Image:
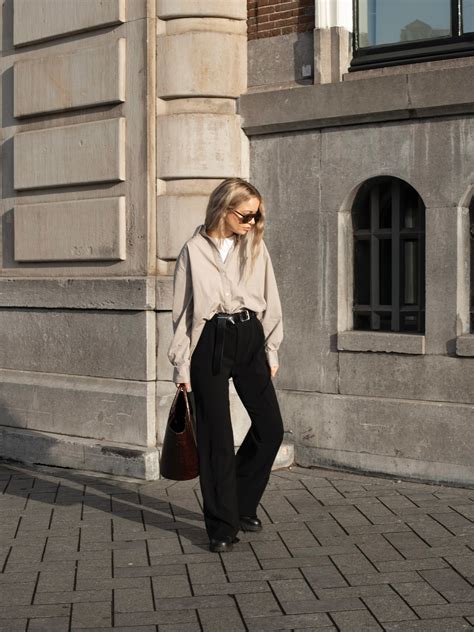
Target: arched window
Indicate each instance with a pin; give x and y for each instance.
(388, 219)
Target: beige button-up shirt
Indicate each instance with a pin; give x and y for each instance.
(204, 285)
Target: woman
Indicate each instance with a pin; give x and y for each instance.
(227, 322)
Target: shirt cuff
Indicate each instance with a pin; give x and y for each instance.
(272, 357)
(181, 374)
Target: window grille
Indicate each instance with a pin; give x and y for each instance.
(389, 257)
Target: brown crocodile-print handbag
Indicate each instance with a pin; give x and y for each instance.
(179, 455)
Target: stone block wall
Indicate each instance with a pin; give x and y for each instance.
(78, 224)
(393, 403)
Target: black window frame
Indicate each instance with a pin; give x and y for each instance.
(374, 234)
(459, 44)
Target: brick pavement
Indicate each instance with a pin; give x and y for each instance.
(338, 551)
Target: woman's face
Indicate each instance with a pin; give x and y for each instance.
(233, 223)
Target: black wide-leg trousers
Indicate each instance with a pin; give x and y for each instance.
(232, 484)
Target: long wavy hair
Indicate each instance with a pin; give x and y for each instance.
(225, 198)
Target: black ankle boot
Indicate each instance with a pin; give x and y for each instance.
(250, 523)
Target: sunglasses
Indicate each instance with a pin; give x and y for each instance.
(245, 219)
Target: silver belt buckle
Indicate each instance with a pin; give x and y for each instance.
(244, 312)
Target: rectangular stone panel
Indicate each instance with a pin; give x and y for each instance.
(78, 342)
(430, 377)
(94, 408)
(35, 20)
(111, 293)
(70, 154)
(82, 230)
(63, 82)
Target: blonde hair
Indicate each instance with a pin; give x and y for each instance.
(225, 198)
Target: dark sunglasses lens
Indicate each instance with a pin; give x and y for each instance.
(248, 218)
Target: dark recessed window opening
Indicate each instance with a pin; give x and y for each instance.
(471, 224)
(392, 32)
(388, 219)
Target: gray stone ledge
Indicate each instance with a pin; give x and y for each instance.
(375, 99)
(129, 293)
(83, 454)
(381, 342)
(465, 345)
(41, 448)
(434, 472)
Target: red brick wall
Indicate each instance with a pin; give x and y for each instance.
(267, 18)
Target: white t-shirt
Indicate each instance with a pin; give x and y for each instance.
(227, 245)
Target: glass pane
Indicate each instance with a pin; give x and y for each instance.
(410, 322)
(385, 321)
(385, 206)
(385, 289)
(468, 16)
(362, 272)
(409, 204)
(393, 21)
(410, 273)
(361, 212)
(362, 321)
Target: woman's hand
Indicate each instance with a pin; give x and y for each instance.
(187, 385)
(273, 370)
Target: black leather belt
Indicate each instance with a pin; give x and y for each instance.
(222, 320)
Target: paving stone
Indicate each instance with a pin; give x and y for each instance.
(352, 563)
(321, 605)
(381, 578)
(447, 610)
(58, 624)
(133, 599)
(174, 586)
(291, 589)
(264, 575)
(192, 603)
(439, 625)
(141, 628)
(31, 612)
(411, 565)
(418, 593)
(91, 615)
(16, 594)
(219, 619)
(354, 591)
(231, 588)
(392, 608)
(151, 571)
(159, 617)
(77, 596)
(451, 585)
(259, 605)
(290, 622)
(463, 564)
(13, 625)
(356, 621)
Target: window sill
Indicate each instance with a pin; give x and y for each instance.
(386, 342)
(465, 345)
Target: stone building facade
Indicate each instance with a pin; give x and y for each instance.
(118, 119)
